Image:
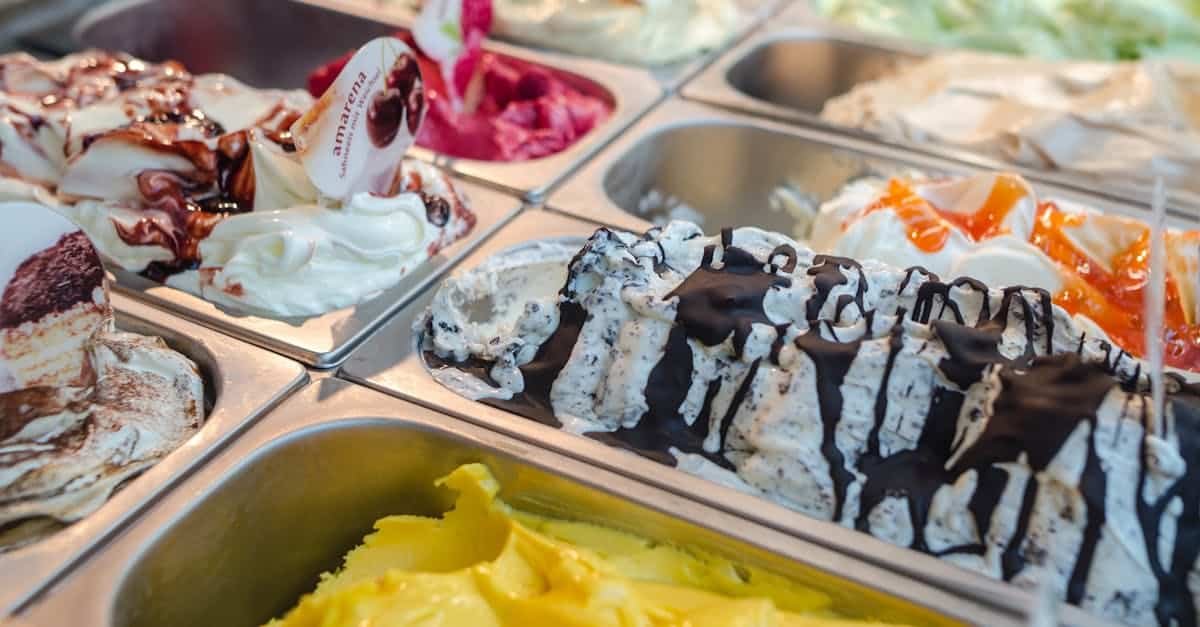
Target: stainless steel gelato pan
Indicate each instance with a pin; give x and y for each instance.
(241, 383)
(249, 533)
(693, 161)
(788, 71)
(277, 43)
(391, 363)
(323, 341)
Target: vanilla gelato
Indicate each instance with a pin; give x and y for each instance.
(83, 407)
(1109, 121)
(194, 181)
(995, 228)
(984, 426)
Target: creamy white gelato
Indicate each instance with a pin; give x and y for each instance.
(194, 181)
(1130, 121)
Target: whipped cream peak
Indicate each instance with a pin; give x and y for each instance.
(982, 425)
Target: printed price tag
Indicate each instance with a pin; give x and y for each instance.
(353, 139)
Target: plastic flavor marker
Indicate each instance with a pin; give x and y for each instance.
(451, 32)
(1155, 300)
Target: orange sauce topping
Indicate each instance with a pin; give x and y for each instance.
(925, 228)
(1110, 294)
(1113, 296)
(928, 227)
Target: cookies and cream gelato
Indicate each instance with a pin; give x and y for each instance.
(83, 407)
(986, 426)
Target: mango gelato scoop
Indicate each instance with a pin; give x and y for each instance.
(484, 564)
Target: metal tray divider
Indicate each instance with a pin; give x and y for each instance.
(89, 594)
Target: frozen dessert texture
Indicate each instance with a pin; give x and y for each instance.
(1129, 121)
(83, 407)
(995, 228)
(525, 111)
(652, 33)
(484, 563)
(985, 426)
(1053, 29)
(194, 181)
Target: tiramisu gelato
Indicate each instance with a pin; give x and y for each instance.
(983, 426)
(194, 181)
(995, 228)
(522, 111)
(1052, 29)
(1130, 121)
(485, 564)
(83, 407)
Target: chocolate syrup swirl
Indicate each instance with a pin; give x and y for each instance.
(715, 302)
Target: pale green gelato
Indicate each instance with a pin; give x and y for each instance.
(1054, 29)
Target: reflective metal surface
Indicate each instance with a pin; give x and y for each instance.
(391, 364)
(248, 534)
(324, 341)
(727, 167)
(255, 33)
(241, 383)
(793, 76)
(789, 69)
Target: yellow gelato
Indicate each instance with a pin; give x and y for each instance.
(485, 564)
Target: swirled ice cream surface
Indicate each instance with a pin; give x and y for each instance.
(986, 426)
(1111, 122)
(194, 181)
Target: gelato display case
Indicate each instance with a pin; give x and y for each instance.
(522, 312)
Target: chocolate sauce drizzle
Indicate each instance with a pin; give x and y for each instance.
(1043, 399)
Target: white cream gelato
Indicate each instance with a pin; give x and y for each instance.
(194, 181)
(1130, 121)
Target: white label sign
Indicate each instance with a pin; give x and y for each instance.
(353, 139)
